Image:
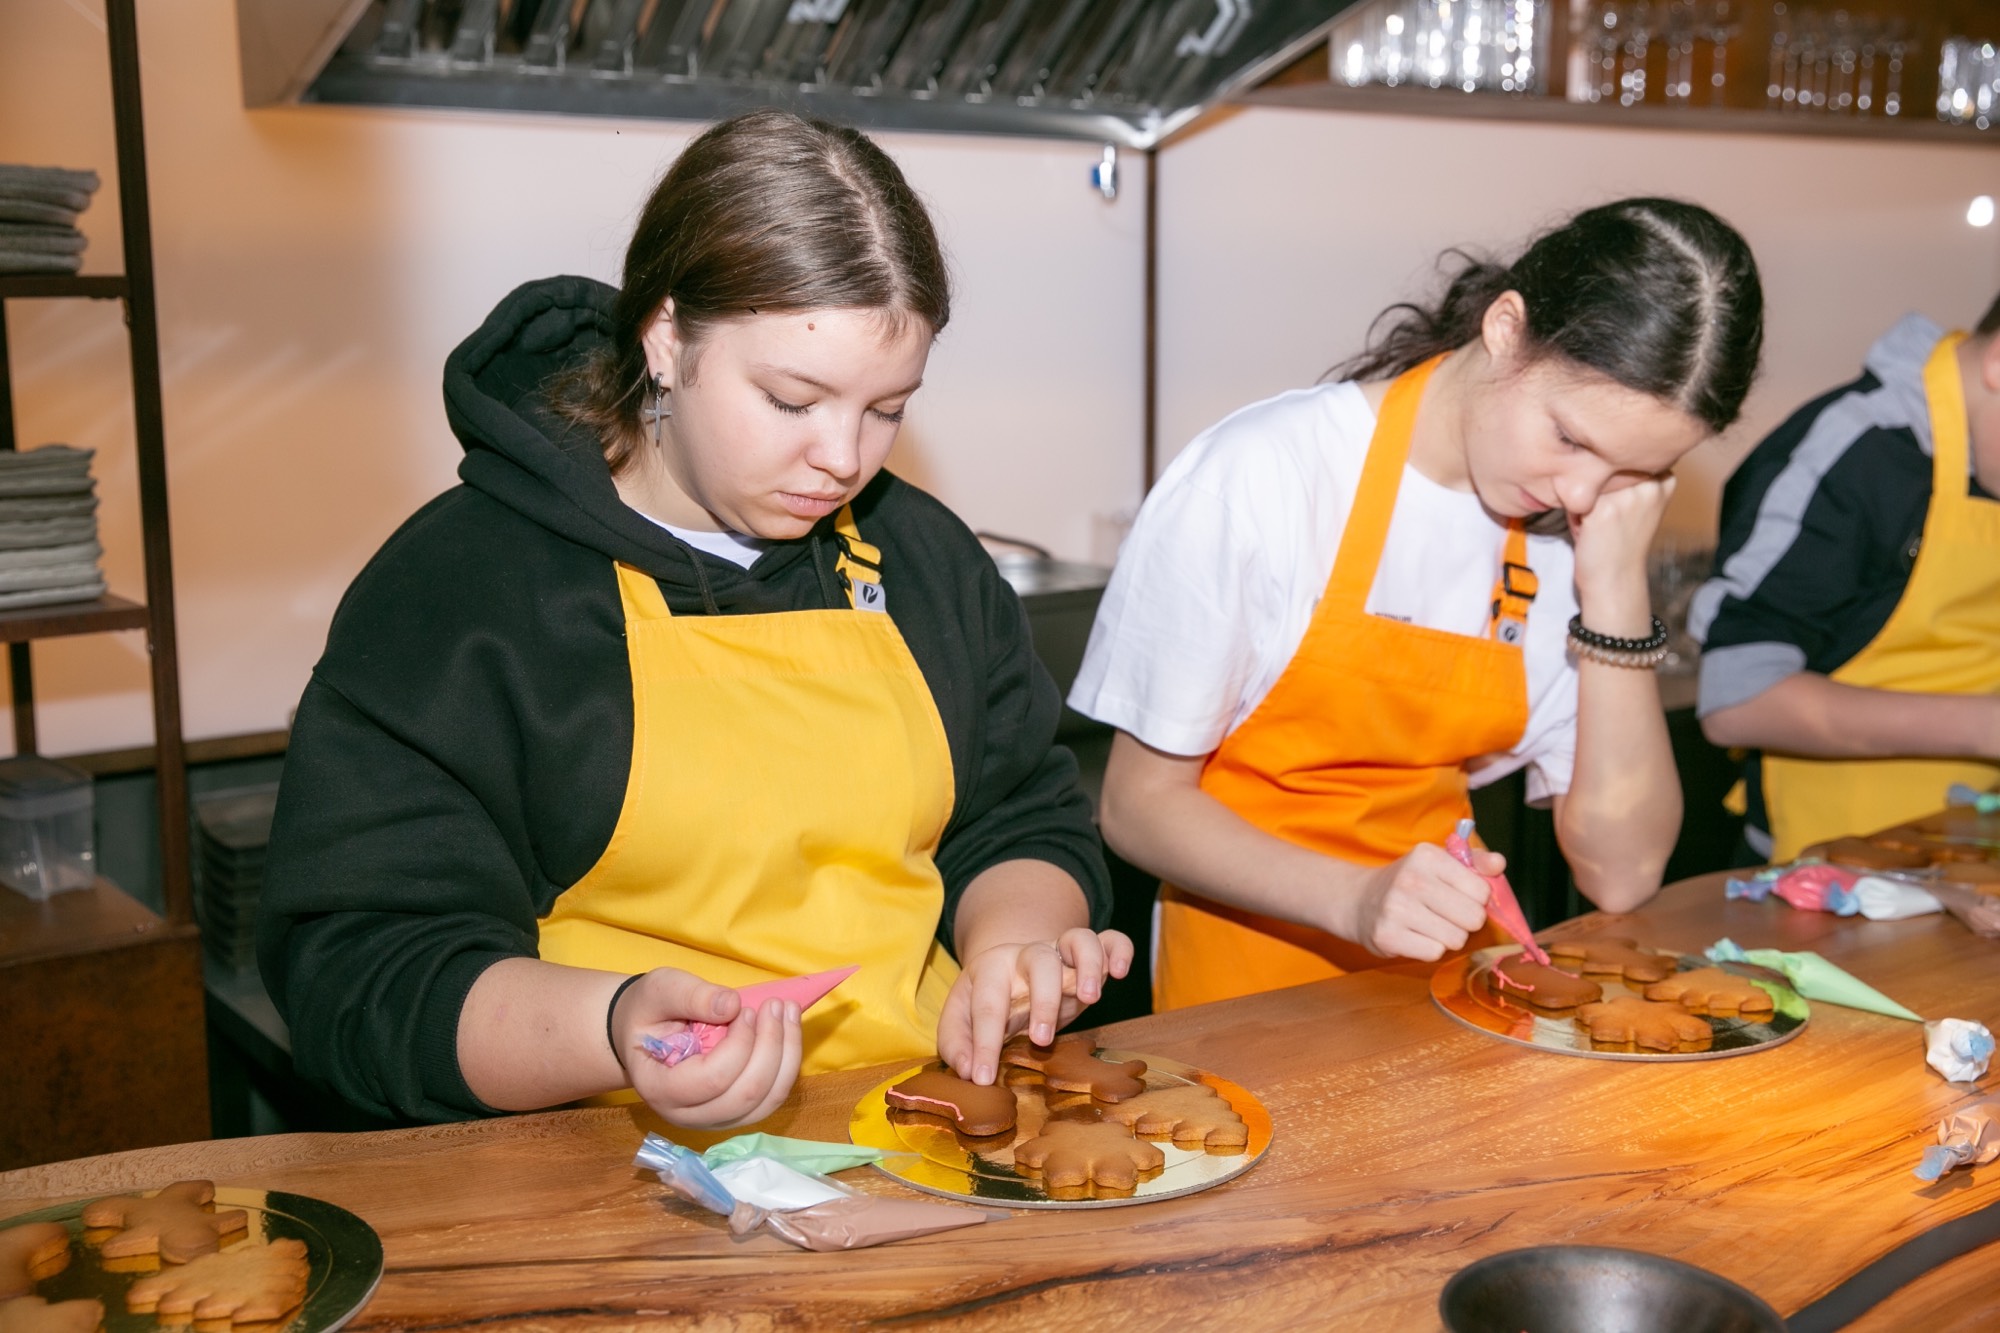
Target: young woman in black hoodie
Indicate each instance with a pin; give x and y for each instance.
(682, 691)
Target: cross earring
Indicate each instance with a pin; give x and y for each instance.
(658, 407)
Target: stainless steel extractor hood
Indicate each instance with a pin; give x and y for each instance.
(1127, 72)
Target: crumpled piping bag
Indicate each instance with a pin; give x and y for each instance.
(1501, 904)
(683, 1171)
(1985, 802)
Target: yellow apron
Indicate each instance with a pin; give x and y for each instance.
(1942, 638)
(790, 780)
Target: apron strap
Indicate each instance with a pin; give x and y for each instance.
(1375, 495)
(858, 561)
(1949, 435)
(1514, 589)
(639, 593)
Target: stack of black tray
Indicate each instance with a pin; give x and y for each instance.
(231, 829)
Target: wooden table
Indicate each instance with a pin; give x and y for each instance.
(1406, 1147)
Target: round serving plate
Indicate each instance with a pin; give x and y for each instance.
(930, 1155)
(343, 1252)
(1463, 988)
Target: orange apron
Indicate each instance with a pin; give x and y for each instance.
(1359, 750)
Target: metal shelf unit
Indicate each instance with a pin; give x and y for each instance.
(104, 1045)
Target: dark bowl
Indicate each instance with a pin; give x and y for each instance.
(1595, 1289)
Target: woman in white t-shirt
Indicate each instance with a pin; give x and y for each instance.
(1335, 614)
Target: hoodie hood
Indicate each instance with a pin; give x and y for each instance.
(523, 455)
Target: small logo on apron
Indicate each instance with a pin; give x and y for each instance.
(869, 596)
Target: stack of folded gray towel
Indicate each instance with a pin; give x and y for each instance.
(48, 527)
(38, 210)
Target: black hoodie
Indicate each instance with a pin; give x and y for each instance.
(459, 757)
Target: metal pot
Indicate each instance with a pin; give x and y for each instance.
(1597, 1289)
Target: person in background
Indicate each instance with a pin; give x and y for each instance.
(680, 690)
(1851, 631)
(1342, 607)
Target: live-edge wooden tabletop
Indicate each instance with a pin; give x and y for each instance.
(1406, 1146)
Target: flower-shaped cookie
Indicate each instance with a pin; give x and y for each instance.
(249, 1284)
(1072, 1065)
(1710, 990)
(1069, 1153)
(978, 1109)
(1892, 852)
(176, 1222)
(1039, 1106)
(30, 1252)
(1610, 956)
(1191, 1114)
(32, 1314)
(1630, 1021)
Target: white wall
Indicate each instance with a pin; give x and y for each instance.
(1283, 233)
(316, 264)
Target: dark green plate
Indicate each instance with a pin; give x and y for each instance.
(344, 1252)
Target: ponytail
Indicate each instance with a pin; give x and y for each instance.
(1658, 295)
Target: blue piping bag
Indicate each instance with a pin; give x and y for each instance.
(1985, 802)
(683, 1172)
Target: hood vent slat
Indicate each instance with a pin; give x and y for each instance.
(1122, 71)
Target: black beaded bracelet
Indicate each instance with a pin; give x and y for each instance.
(611, 1010)
(1590, 638)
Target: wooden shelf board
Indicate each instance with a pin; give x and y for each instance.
(77, 922)
(97, 616)
(1554, 111)
(92, 286)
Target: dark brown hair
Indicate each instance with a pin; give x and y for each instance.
(1990, 321)
(1659, 295)
(764, 212)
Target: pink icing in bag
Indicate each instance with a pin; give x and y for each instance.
(701, 1038)
(1501, 904)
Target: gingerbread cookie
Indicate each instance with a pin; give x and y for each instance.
(32, 1314)
(1981, 875)
(1710, 990)
(1955, 853)
(1958, 822)
(29, 1253)
(1891, 853)
(1631, 1021)
(1069, 1154)
(1611, 956)
(176, 1223)
(1193, 1115)
(1543, 987)
(1038, 1106)
(1072, 1065)
(978, 1109)
(247, 1284)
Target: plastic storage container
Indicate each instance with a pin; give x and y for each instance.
(46, 845)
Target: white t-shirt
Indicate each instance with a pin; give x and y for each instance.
(1231, 553)
(734, 547)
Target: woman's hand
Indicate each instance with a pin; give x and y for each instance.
(1034, 988)
(750, 1071)
(1612, 544)
(1424, 905)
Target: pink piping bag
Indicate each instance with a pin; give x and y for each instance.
(1501, 904)
(701, 1038)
